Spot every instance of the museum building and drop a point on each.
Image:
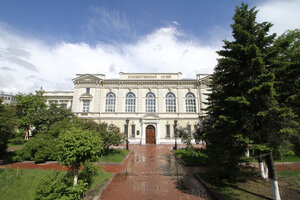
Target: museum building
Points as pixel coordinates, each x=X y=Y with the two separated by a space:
x=146 y=106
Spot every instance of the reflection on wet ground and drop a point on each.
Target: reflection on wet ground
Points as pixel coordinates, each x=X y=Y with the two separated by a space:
x=154 y=173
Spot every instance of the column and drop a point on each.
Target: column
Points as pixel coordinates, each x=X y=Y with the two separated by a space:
x=143 y=132
x=157 y=132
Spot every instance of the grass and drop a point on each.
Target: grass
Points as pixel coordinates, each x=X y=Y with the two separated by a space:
x=197 y=157
x=292 y=178
x=22 y=186
x=99 y=180
x=251 y=186
x=114 y=156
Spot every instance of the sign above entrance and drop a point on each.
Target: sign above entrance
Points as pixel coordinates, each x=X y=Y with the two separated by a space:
x=150 y=76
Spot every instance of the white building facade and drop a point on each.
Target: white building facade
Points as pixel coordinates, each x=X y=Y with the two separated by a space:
x=144 y=105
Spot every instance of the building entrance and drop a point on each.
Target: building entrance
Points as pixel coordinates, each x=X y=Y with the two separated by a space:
x=150 y=134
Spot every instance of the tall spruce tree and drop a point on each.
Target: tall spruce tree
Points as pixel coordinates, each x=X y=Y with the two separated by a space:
x=244 y=105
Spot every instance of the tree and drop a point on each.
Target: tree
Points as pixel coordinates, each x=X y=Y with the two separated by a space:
x=27 y=106
x=76 y=147
x=288 y=81
x=109 y=133
x=244 y=108
x=8 y=124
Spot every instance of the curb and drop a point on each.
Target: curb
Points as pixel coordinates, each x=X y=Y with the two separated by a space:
x=211 y=191
x=98 y=195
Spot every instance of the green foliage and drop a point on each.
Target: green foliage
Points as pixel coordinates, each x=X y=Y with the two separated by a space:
x=110 y=134
x=186 y=138
x=34 y=115
x=243 y=101
x=76 y=146
x=60 y=186
x=27 y=108
x=23 y=186
x=40 y=148
x=8 y=125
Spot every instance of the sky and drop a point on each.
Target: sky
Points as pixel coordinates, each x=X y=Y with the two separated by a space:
x=46 y=43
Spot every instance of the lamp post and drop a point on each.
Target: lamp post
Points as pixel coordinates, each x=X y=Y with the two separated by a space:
x=175 y=133
x=127 y=125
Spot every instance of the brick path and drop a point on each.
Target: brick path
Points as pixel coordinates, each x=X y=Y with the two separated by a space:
x=153 y=173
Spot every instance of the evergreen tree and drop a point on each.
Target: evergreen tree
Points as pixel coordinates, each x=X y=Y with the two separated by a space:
x=244 y=106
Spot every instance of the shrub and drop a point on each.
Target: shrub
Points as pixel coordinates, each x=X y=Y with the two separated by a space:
x=39 y=149
x=17 y=141
x=60 y=186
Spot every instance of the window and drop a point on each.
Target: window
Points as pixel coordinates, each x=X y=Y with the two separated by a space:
x=170 y=102
x=190 y=102
x=87 y=90
x=150 y=102
x=133 y=130
x=130 y=102
x=110 y=102
x=86 y=106
x=168 y=130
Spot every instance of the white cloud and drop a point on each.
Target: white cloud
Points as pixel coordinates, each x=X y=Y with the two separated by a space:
x=283 y=14
x=37 y=64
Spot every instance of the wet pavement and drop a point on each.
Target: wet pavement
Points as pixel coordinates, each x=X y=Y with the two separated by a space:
x=153 y=173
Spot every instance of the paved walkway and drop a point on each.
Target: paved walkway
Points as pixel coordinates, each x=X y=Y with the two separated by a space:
x=153 y=173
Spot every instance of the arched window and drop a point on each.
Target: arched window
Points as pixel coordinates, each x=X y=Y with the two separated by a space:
x=110 y=102
x=130 y=102
x=190 y=102
x=150 y=102
x=170 y=102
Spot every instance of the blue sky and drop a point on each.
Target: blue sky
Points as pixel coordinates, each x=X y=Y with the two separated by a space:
x=45 y=43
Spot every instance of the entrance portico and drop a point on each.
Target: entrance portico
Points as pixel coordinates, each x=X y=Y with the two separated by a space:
x=150 y=129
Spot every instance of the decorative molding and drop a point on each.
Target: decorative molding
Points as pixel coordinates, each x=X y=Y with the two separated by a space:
x=87 y=79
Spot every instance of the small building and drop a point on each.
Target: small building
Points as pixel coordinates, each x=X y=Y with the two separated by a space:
x=7 y=98
x=144 y=105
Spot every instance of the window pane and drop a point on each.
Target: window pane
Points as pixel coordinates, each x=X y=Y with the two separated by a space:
x=130 y=102
x=150 y=102
x=190 y=102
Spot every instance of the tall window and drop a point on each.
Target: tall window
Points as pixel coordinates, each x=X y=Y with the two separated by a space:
x=170 y=102
x=150 y=102
x=190 y=102
x=86 y=106
x=110 y=102
x=130 y=102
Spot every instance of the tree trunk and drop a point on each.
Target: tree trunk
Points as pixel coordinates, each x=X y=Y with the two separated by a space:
x=273 y=176
x=263 y=171
x=75 y=178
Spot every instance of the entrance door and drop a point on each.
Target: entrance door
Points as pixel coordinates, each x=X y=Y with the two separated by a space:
x=150 y=134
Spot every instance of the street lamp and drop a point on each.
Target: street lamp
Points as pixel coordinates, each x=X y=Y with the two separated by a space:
x=175 y=133
x=127 y=125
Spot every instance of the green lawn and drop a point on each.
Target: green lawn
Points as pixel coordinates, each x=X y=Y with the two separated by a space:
x=114 y=156
x=197 y=157
x=24 y=186
x=21 y=187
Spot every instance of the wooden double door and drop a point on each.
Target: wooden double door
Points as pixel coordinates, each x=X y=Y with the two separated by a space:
x=150 y=134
